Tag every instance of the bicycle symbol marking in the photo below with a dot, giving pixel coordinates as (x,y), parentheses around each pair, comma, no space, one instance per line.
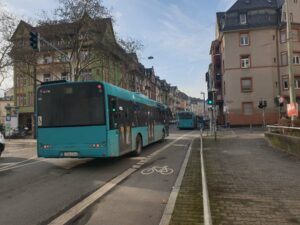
(163,170)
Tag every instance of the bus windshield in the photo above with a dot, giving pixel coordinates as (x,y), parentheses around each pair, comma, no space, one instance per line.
(71,104)
(185,116)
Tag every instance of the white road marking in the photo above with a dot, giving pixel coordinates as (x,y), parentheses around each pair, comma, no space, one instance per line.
(163,170)
(81,206)
(7,164)
(206,205)
(13,165)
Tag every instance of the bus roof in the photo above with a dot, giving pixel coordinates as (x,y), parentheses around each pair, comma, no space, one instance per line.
(130,96)
(114,91)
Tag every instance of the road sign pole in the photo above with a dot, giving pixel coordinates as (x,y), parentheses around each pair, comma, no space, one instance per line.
(290,59)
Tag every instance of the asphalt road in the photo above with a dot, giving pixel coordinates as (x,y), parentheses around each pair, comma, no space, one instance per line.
(36,191)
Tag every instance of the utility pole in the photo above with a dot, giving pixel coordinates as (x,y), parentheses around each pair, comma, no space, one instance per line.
(290,59)
(34,103)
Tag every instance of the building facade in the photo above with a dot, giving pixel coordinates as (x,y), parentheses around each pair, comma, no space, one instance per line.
(249,60)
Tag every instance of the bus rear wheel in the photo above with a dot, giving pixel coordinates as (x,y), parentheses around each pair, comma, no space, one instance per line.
(163,137)
(138,145)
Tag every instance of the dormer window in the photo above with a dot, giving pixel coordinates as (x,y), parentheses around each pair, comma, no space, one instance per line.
(243,18)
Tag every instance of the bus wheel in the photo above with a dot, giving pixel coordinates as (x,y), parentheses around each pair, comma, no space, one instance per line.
(138,145)
(163,137)
(1,149)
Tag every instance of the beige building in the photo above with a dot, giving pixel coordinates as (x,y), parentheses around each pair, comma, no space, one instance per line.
(250,51)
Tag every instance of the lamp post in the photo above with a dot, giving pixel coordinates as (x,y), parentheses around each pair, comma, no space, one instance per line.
(202,93)
(290,59)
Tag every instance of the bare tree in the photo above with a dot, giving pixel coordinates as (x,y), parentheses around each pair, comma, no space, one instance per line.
(131,45)
(78,26)
(8,24)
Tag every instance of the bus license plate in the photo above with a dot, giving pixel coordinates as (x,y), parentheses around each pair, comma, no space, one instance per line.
(71,154)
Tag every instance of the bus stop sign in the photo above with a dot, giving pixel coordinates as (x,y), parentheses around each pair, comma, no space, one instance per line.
(292,109)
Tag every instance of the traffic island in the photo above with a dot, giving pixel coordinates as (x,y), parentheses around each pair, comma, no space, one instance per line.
(189,204)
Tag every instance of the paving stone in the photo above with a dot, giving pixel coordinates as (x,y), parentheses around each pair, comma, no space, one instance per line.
(251,183)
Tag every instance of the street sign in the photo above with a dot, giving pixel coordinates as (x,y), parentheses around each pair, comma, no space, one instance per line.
(281,99)
(292,109)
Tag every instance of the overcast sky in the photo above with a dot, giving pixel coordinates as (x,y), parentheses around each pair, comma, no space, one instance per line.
(177,33)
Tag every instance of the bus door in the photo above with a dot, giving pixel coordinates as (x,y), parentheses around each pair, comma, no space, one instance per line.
(121,120)
(151,120)
(125,122)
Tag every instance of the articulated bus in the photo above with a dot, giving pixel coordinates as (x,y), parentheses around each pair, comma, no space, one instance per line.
(186,120)
(95,120)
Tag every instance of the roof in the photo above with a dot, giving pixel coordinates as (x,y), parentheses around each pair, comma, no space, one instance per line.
(57,28)
(252,4)
(267,15)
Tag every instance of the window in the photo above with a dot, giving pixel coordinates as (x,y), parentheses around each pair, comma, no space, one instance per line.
(74,104)
(64,76)
(247,108)
(23,99)
(285,83)
(297,82)
(295,35)
(86,75)
(47,59)
(245,61)
(284,59)
(84,55)
(243,18)
(283,36)
(244,39)
(246,85)
(296,59)
(30,98)
(47,77)
(63,58)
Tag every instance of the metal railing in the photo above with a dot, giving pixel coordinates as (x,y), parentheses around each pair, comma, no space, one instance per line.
(282,129)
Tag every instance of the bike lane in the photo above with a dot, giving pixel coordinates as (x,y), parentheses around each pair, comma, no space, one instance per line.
(141,199)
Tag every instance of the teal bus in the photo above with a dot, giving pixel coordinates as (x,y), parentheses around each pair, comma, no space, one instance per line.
(95,120)
(186,120)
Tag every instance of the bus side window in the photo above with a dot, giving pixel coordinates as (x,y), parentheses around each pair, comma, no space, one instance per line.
(113,113)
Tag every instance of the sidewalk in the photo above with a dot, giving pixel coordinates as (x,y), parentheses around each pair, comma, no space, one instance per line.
(249,182)
(31,142)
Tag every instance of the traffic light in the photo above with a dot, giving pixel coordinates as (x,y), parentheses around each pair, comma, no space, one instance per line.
(262,104)
(34,40)
(210,98)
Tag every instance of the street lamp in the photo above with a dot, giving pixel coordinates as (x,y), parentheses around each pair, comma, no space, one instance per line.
(203,103)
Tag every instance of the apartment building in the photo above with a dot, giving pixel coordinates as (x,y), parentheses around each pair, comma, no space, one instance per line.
(91,52)
(249,59)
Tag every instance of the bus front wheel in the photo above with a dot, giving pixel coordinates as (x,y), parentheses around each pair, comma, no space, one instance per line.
(138,145)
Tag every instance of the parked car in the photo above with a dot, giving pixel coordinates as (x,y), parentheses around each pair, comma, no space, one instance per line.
(2,143)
